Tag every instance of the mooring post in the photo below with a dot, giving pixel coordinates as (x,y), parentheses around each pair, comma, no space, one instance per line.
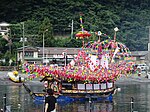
(89,99)
(132,104)
(4,99)
(90,103)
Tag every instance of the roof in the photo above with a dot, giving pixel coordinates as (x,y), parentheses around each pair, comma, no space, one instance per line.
(59,50)
(139,53)
(4,24)
(71,51)
(28,48)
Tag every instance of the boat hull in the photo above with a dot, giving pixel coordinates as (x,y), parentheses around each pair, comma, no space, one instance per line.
(65,97)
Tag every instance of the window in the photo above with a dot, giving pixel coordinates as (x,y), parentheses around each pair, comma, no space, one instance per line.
(3,28)
(103,85)
(29,54)
(81,86)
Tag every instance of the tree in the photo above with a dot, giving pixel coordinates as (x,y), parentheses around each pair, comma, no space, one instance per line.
(130,16)
(46,29)
(73,43)
(3,47)
(31,32)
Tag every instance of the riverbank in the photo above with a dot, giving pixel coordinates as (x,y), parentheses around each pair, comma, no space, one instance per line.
(8,68)
(132,79)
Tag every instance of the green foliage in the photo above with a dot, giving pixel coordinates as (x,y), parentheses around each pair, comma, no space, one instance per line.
(7,57)
(3,47)
(53,18)
(32,32)
(46,30)
(59,41)
(73,43)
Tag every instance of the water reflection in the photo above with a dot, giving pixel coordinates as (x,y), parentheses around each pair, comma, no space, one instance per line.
(139,92)
(96,107)
(20,101)
(87,107)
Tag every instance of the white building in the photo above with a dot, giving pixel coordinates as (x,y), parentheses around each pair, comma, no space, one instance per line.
(51,55)
(56,55)
(4,28)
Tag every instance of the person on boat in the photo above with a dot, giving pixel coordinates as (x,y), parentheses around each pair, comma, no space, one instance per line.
(50,102)
(15,73)
(52,83)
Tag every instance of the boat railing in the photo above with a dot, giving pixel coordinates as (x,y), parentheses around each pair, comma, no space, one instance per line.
(89,88)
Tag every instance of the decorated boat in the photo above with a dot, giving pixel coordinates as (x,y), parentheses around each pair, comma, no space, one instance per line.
(92,73)
(14,76)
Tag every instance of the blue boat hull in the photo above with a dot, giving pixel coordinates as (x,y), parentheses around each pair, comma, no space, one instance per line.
(70,97)
(63,100)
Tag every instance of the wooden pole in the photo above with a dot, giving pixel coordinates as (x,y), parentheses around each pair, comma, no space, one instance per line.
(72,30)
(23,43)
(115,29)
(115,37)
(4,107)
(132,102)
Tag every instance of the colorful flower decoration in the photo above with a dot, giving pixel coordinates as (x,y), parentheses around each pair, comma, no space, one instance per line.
(97,62)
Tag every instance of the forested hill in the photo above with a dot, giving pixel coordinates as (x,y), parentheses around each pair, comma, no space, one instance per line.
(130,16)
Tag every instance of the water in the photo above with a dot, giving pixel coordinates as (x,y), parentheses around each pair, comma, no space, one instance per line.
(20,101)
(140,93)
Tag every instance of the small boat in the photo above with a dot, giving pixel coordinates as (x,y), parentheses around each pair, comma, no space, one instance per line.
(13,76)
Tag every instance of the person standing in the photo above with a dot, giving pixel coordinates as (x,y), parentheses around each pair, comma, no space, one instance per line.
(50,102)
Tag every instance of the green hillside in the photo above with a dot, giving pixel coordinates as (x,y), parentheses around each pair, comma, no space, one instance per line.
(131,17)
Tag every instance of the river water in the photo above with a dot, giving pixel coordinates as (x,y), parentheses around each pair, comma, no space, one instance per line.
(20,101)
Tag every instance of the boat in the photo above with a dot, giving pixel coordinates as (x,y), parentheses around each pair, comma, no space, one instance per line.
(91,74)
(14,77)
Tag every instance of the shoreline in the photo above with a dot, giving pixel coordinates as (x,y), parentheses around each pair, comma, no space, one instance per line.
(132,79)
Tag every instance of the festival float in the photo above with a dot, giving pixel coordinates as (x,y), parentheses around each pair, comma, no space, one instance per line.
(92,73)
